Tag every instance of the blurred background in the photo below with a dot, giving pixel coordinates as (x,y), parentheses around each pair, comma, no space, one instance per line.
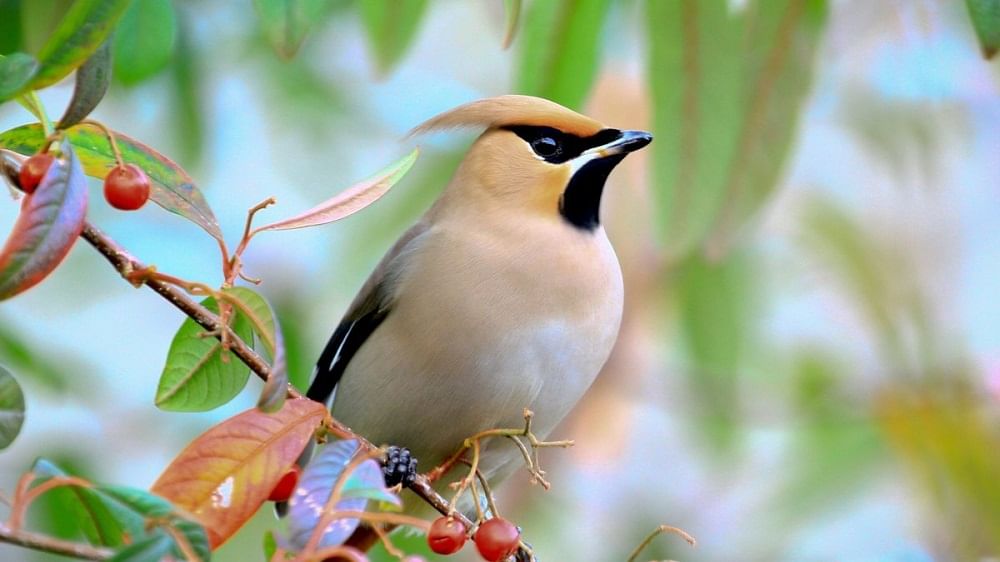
(809,366)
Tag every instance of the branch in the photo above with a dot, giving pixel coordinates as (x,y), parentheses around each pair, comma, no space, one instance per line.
(125,263)
(37,541)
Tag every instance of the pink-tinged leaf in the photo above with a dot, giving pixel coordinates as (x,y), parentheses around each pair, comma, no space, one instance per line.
(351,200)
(225,474)
(50,221)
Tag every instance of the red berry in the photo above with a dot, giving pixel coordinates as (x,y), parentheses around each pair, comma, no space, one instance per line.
(447,535)
(126,187)
(33,170)
(284,488)
(497,539)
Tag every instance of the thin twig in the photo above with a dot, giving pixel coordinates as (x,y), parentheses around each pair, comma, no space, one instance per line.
(125,263)
(111,139)
(44,543)
(657,532)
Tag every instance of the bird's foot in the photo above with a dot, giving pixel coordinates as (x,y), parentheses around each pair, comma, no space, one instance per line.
(399,467)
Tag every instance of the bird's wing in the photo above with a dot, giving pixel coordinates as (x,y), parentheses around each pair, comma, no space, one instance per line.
(369,309)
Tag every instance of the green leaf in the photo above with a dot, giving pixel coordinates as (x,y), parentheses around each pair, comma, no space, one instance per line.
(144,40)
(512,12)
(155,508)
(11,34)
(286,22)
(50,221)
(727,87)
(196,378)
(172,187)
(188,119)
(92,80)
(259,313)
(146,504)
(11,408)
(105,521)
(561,46)
(270,544)
(153,548)
(714,302)
(16,70)
(82,30)
(195,536)
(32,361)
(391,26)
(985,16)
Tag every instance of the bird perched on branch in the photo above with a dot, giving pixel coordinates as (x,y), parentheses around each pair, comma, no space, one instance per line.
(505,295)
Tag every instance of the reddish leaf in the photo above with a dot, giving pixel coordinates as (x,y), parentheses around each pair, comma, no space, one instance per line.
(224,475)
(351,200)
(50,221)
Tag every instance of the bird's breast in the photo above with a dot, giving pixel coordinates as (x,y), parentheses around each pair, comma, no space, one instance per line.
(529,313)
(485,323)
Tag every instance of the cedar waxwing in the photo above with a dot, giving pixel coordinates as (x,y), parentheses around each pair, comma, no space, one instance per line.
(505,295)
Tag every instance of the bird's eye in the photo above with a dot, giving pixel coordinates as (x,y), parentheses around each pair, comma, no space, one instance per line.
(545,146)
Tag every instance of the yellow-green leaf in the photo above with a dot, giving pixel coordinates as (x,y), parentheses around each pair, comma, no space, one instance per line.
(172,187)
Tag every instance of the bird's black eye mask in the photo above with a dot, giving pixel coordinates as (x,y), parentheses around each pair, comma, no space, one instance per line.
(557,147)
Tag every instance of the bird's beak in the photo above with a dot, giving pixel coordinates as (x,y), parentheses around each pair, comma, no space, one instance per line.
(628,141)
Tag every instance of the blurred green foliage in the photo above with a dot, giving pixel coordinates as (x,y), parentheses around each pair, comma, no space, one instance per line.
(727,88)
(561,49)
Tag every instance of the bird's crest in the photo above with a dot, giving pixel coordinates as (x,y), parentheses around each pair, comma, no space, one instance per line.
(509,110)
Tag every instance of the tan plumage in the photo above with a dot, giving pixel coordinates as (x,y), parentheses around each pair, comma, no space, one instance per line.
(491,113)
(502,297)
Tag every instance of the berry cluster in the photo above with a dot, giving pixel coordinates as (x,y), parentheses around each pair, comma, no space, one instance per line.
(399,467)
(496,539)
(126,186)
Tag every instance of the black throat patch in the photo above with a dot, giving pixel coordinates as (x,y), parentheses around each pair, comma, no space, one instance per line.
(580,203)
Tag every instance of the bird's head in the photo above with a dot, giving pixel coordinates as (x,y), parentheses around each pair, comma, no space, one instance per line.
(536,156)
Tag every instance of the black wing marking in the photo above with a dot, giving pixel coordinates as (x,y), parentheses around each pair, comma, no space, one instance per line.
(369,309)
(346,340)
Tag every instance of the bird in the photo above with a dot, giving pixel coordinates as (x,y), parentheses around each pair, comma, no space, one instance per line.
(506,294)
